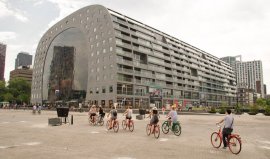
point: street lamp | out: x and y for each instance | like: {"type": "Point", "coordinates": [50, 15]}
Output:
{"type": "Point", "coordinates": [123, 86]}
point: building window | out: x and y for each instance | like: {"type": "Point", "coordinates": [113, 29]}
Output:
{"type": "Point", "coordinates": [104, 50]}
{"type": "Point", "coordinates": [103, 89]}
{"type": "Point", "coordinates": [97, 90]}
{"type": "Point", "coordinates": [91, 91]}
{"type": "Point", "coordinates": [111, 89]}
{"type": "Point", "coordinates": [111, 48]}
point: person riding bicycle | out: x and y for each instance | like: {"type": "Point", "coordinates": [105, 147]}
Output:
{"type": "Point", "coordinates": [92, 112]}
{"type": "Point", "coordinates": [154, 120]}
{"type": "Point", "coordinates": [113, 114]}
{"type": "Point", "coordinates": [128, 114]}
{"type": "Point", "coordinates": [101, 112]}
{"type": "Point", "coordinates": [228, 127]}
{"type": "Point", "coordinates": [172, 116]}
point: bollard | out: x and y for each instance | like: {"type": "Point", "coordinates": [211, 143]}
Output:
{"type": "Point", "coordinates": [65, 120]}
{"type": "Point", "coordinates": [71, 119]}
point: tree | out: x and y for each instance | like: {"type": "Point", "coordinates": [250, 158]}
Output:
{"type": "Point", "coordinates": [8, 97]}
{"type": "Point", "coordinates": [3, 90]}
{"type": "Point", "coordinates": [24, 98]}
{"type": "Point", "coordinates": [261, 102]}
{"type": "Point", "coordinates": [20, 89]}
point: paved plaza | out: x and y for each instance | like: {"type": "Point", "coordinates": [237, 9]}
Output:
{"type": "Point", "coordinates": [23, 135]}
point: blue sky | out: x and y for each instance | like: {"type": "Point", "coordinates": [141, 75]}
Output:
{"type": "Point", "coordinates": [222, 28]}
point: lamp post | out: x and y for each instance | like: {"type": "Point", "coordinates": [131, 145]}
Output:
{"type": "Point", "coordinates": [123, 86]}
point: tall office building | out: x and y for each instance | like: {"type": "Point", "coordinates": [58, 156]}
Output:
{"type": "Point", "coordinates": [250, 76]}
{"type": "Point", "coordinates": [2, 60]}
{"type": "Point", "coordinates": [118, 59]}
{"type": "Point", "coordinates": [232, 60]}
{"type": "Point", "coordinates": [23, 59]}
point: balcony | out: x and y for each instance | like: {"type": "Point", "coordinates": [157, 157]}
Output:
{"type": "Point", "coordinates": [124, 53]}
{"type": "Point", "coordinates": [125, 70]}
{"type": "Point", "coordinates": [124, 79]}
{"type": "Point", "coordinates": [122, 61]}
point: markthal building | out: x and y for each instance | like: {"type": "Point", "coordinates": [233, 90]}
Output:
{"type": "Point", "coordinates": [99, 56]}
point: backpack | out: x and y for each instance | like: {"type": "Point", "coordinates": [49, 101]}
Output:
{"type": "Point", "coordinates": [114, 113]}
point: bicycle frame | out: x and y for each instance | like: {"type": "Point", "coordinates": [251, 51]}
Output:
{"type": "Point", "coordinates": [232, 141]}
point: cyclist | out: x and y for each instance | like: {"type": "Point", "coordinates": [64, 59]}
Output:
{"type": "Point", "coordinates": [101, 113]}
{"type": "Point", "coordinates": [228, 127]}
{"type": "Point", "coordinates": [113, 114]}
{"type": "Point", "coordinates": [92, 112]}
{"type": "Point", "coordinates": [128, 114]}
{"type": "Point", "coordinates": [172, 116]}
{"type": "Point", "coordinates": [154, 120]}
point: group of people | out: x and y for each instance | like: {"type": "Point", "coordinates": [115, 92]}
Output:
{"type": "Point", "coordinates": [172, 118]}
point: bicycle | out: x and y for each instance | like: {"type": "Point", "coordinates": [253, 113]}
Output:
{"type": "Point", "coordinates": [129, 124]}
{"type": "Point", "coordinates": [234, 141]}
{"type": "Point", "coordinates": [100, 120]}
{"type": "Point", "coordinates": [115, 125]}
{"type": "Point", "coordinates": [176, 128]}
{"type": "Point", "coordinates": [156, 130]}
{"type": "Point", "coordinates": [92, 121]}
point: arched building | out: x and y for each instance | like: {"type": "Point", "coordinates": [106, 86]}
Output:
{"type": "Point", "coordinates": [103, 57]}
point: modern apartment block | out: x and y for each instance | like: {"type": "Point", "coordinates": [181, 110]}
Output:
{"type": "Point", "coordinates": [2, 60]}
{"type": "Point", "coordinates": [24, 72]}
{"type": "Point", "coordinates": [23, 59]}
{"type": "Point", "coordinates": [118, 59]}
{"type": "Point", "coordinates": [250, 76]}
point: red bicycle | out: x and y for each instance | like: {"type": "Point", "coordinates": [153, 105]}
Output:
{"type": "Point", "coordinates": [129, 124]}
{"type": "Point", "coordinates": [234, 141]}
{"type": "Point", "coordinates": [115, 126]}
{"type": "Point", "coordinates": [156, 130]}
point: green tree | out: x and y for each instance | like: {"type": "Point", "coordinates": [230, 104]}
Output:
{"type": "Point", "coordinates": [24, 98]}
{"type": "Point", "coordinates": [8, 97]}
{"type": "Point", "coordinates": [261, 102]}
{"type": "Point", "coordinates": [20, 89]}
{"type": "Point", "coordinates": [3, 90]}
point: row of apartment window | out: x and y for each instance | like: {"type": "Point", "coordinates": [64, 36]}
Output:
{"type": "Point", "coordinates": [102, 89]}
{"type": "Point", "coordinates": [158, 46]}
{"type": "Point", "coordinates": [194, 63]}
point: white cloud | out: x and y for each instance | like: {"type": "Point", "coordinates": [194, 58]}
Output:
{"type": "Point", "coordinates": [7, 35]}
{"type": "Point", "coordinates": [66, 8]}
{"type": "Point", "coordinates": [7, 10]}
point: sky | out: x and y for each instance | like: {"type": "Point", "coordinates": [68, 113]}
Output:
{"type": "Point", "coordinates": [221, 28]}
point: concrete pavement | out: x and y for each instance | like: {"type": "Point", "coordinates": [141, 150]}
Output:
{"type": "Point", "coordinates": [23, 135]}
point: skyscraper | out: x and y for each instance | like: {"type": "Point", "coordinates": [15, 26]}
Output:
{"type": "Point", "coordinates": [2, 60]}
{"type": "Point", "coordinates": [232, 60]}
{"type": "Point", "coordinates": [23, 59]}
{"type": "Point", "coordinates": [250, 75]}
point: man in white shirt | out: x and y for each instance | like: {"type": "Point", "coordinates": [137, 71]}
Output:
{"type": "Point", "coordinates": [228, 127]}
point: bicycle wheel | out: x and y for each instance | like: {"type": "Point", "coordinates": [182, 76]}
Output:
{"type": "Point", "coordinates": [108, 125]}
{"type": "Point", "coordinates": [116, 126]}
{"type": "Point", "coordinates": [101, 122]}
{"type": "Point", "coordinates": [177, 130]}
{"type": "Point", "coordinates": [216, 140]}
{"type": "Point", "coordinates": [235, 145]}
{"type": "Point", "coordinates": [148, 129]}
{"type": "Point", "coordinates": [89, 120]}
{"type": "Point", "coordinates": [165, 127]}
{"type": "Point", "coordinates": [124, 124]}
{"type": "Point", "coordinates": [156, 131]}
{"type": "Point", "coordinates": [131, 126]}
